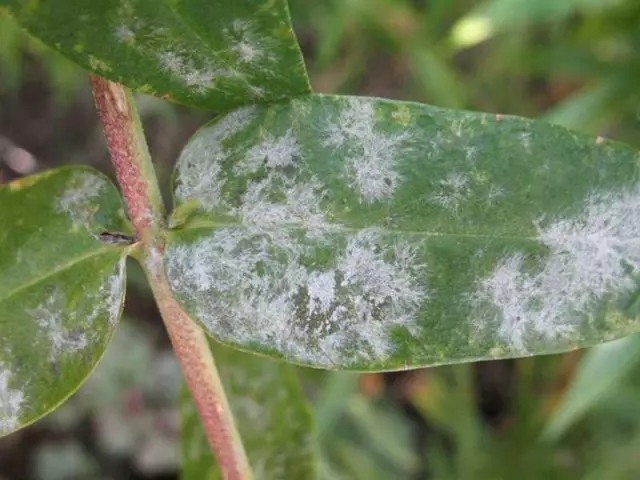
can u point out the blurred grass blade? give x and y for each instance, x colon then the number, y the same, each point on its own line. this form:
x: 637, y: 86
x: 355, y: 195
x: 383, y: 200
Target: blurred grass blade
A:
x: 332, y: 402
x: 599, y: 374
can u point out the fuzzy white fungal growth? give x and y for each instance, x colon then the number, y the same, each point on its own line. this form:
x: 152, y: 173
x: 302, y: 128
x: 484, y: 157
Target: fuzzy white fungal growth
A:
x: 10, y: 403
x: 258, y: 282
x: 113, y: 292
x: 370, y: 153
x: 453, y: 191
x: 590, y: 258
x: 247, y: 45
x: 49, y: 316
x: 272, y: 152
x: 198, y: 170
x: 251, y: 286
x: 301, y: 206
x: 125, y: 34
x: 247, y: 52
x: 182, y: 67
x: 77, y: 199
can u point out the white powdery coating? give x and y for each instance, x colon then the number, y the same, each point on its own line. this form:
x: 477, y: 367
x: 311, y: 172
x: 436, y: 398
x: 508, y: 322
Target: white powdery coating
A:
x: 10, y: 403
x: 49, y: 316
x: 272, y: 152
x: 199, y: 167
x: 452, y: 192
x: 182, y: 67
x: 590, y: 257
x: 370, y: 153
x: 247, y: 45
x: 252, y: 287
x: 76, y: 201
x: 301, y: 206
x: 112, y: 290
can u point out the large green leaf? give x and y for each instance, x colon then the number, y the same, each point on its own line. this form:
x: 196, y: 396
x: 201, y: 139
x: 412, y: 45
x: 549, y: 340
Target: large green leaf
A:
x: 62, y: 282
x: 357, y: 233
x: 271, y: 414
x: 215, y: 54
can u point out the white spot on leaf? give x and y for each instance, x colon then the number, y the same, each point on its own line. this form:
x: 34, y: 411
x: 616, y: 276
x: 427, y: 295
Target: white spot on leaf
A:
x: 591, y: 257
x: 184, y: 68
x: 10, y: 403
x: 272, y: 152
x: 453, y: 190
x: 52, y: 319
x: 77, y: 201
x: 199, y: 168
x: 370, y: 152
x: 252, y: 286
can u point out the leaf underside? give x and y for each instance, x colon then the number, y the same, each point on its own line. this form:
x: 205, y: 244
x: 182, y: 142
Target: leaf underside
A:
x: 213, y: 54
x: 271, y: 415
x: 367, y: 234
x: 61, y: 287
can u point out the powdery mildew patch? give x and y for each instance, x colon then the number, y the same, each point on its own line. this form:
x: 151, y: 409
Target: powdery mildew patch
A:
x: 591, y: 257
x: 371, y: 154
x: 452, y: 191
x: 198, y: 174
x: 272, y: 152
x: 258, y: 282
x: 69, y: 329
x: 253, y: 287
x: 52, y: 319
x: 180, y: 65
x: 109, y: 297
x: 241, y: 50
x: 11, y: 400
x: 248, y: 46
x: 77, y: 200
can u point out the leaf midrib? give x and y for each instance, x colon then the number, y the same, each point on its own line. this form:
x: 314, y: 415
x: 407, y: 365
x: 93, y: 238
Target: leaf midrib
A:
x: 208, y: 224
x: 56, y: 271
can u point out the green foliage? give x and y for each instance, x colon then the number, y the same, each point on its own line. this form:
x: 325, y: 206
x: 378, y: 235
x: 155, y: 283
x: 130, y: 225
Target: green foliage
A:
x: 214, y: 55
x: 61, y: 287
x: 63, y: 74
x: 375, y: 234
x: 271, y: 414
x: 344, y: 232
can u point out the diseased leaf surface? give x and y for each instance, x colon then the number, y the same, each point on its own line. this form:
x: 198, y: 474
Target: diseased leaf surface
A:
x: 347, y: 232
x: 61, y: 287
x: 214, y: 54
x: 271, y: 415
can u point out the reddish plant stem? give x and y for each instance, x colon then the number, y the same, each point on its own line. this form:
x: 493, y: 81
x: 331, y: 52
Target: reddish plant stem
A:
x: 138, y: 182
x: 192, y: 348
x: 129, y: 155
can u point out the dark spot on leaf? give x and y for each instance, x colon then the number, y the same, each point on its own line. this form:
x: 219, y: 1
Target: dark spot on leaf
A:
x: 388, y: 181
x: 115, y: 238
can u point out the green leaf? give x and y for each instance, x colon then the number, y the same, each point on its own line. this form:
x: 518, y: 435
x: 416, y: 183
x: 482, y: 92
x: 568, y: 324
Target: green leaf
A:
x: 368, y: 234
x: 599, y: 375
x: 214, y: 54
x: 62, y: 286
x: 271, y: 415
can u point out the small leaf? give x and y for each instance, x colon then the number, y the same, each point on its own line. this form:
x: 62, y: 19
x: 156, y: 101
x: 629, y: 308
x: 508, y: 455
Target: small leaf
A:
x: 271, y: 415
x: 61, y: 287
x: 214, y: 54
x: 366, y: 234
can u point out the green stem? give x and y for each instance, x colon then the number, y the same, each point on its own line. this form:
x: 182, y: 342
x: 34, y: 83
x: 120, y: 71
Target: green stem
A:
x: 136, y: 176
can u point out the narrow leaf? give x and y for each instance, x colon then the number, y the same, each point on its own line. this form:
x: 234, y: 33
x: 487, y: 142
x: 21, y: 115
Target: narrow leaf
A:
x: 271, y: 414
x: 599, y: 375
x: 368, y: 234
x: 62, y: 281
x: 215, y: 54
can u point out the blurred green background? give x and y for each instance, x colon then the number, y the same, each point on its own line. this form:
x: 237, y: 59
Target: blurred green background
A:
x: 574, y: 416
